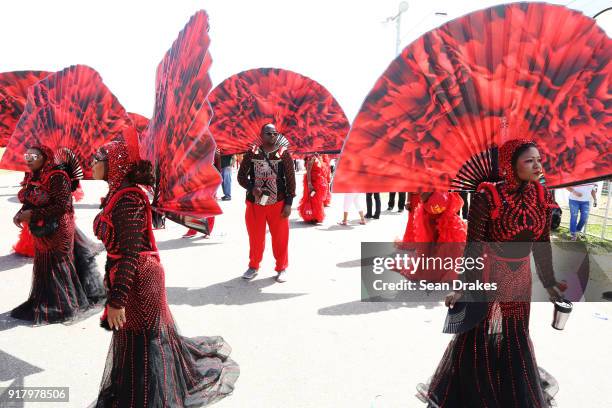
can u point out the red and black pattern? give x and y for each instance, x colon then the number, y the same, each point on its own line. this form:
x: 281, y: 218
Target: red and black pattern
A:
x: 473, y: 83
x: 60, y: 290
x: 71, y: 108
x: 177, y: 140
x: 299, y: 107
x: 139, y: 121
x: 149, y: 363
x: 493, y: 364
x: 13, y: 92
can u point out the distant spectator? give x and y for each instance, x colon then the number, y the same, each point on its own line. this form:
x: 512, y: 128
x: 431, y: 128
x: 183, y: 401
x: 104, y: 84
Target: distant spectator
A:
x: 579, y: 204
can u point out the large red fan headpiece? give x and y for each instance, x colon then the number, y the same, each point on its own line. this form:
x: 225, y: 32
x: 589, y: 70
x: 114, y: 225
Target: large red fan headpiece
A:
x: 177, y: 140
x: 13, y: 92
x: 435, y: 118
x: 140, y: 122
x: 300, y: 108
x: 70, y: 109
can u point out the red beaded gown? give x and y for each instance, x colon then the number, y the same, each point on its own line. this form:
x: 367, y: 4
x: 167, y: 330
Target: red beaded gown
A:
x: 60, y: 290
x: 311, y: 207
x: 493, y: 364
x: 149, y: 364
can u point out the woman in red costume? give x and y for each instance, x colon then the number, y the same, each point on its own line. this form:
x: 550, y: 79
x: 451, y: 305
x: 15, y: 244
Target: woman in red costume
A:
x: 414, y: 199
x: 149, y: 363
x: 433, y: 219
x: 316, y: 188
x: 328, y: 177
x: 490, y: 362
x: 436, y: 218
x: 61, y: 289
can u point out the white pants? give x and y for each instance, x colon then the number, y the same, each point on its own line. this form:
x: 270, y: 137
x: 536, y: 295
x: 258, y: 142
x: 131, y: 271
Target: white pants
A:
x: 353, y: 199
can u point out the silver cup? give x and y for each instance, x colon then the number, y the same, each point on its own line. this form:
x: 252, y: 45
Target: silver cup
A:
x: 264, y: 198
x: 563, y: 308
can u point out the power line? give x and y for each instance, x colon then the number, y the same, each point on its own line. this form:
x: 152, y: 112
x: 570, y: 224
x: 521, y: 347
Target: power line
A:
x: 427, y: 16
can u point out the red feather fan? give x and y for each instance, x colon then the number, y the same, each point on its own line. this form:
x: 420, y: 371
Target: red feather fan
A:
x: 434, y: 119
x: 139, y: 121
x: 13, y: 91
x: 70, y: 109
x: 177, y: 140
x: 300, y: 108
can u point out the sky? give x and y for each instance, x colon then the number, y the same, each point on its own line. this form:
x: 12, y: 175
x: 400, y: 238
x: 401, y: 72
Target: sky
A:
x: 343, y: 44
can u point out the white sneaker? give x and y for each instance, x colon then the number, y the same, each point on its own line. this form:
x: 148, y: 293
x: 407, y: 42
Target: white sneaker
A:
x: 250, y: 273
x: 282, y: 276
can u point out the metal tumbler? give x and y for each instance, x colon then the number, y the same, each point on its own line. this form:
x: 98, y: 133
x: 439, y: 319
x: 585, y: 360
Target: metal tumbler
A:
x: 563, y: 308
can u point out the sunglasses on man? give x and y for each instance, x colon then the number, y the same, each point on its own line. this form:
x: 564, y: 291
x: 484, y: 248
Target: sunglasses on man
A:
x: 31, y: 156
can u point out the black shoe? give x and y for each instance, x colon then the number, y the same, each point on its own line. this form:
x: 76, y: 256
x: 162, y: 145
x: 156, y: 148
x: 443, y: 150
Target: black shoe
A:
x: 226, y: 198
x: 368, y: 216
x: 390, y: 208
x: 376, y: 217
x: 400, y: 210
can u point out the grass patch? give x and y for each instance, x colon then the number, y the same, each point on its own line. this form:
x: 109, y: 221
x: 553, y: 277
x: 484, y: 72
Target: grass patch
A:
x: 595, y: 244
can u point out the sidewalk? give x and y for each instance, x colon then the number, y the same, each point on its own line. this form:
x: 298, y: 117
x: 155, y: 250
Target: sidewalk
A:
x: 306, y: 343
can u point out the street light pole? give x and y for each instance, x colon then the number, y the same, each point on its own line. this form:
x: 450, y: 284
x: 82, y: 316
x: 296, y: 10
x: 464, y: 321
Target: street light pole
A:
x: 403, y: 7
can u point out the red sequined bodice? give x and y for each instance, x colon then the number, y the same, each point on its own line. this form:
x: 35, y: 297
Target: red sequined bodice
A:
x: 499, y: 214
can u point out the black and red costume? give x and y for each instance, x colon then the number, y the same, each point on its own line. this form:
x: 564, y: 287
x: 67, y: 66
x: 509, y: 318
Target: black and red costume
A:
x: 274, y: 173
x: 149, y: 364
x: 493, y: 364
x: 60, y: 290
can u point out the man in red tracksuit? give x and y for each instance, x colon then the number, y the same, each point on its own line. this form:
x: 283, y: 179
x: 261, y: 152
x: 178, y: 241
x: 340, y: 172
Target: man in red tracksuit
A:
x: 268, y: 175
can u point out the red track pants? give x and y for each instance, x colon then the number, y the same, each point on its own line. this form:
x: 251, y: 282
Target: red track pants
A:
x: 256, y: 218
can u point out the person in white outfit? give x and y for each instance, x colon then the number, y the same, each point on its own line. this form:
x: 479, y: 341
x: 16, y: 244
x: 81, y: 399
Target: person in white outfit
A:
x: 353, y: 200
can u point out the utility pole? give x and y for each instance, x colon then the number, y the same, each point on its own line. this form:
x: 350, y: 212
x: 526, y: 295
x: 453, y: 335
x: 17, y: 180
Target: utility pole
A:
x: 402, y: 8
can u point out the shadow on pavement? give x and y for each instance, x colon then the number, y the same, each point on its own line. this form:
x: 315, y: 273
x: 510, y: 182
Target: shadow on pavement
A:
x: 358, y: 307
x: 337, y: 227
x: 12, y: 261
x: 297, y: 224
x: 356, y: 263
x: 236, y: 291
x: 7, y: 323
x: 15, y: 369
x: 179, y: 243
